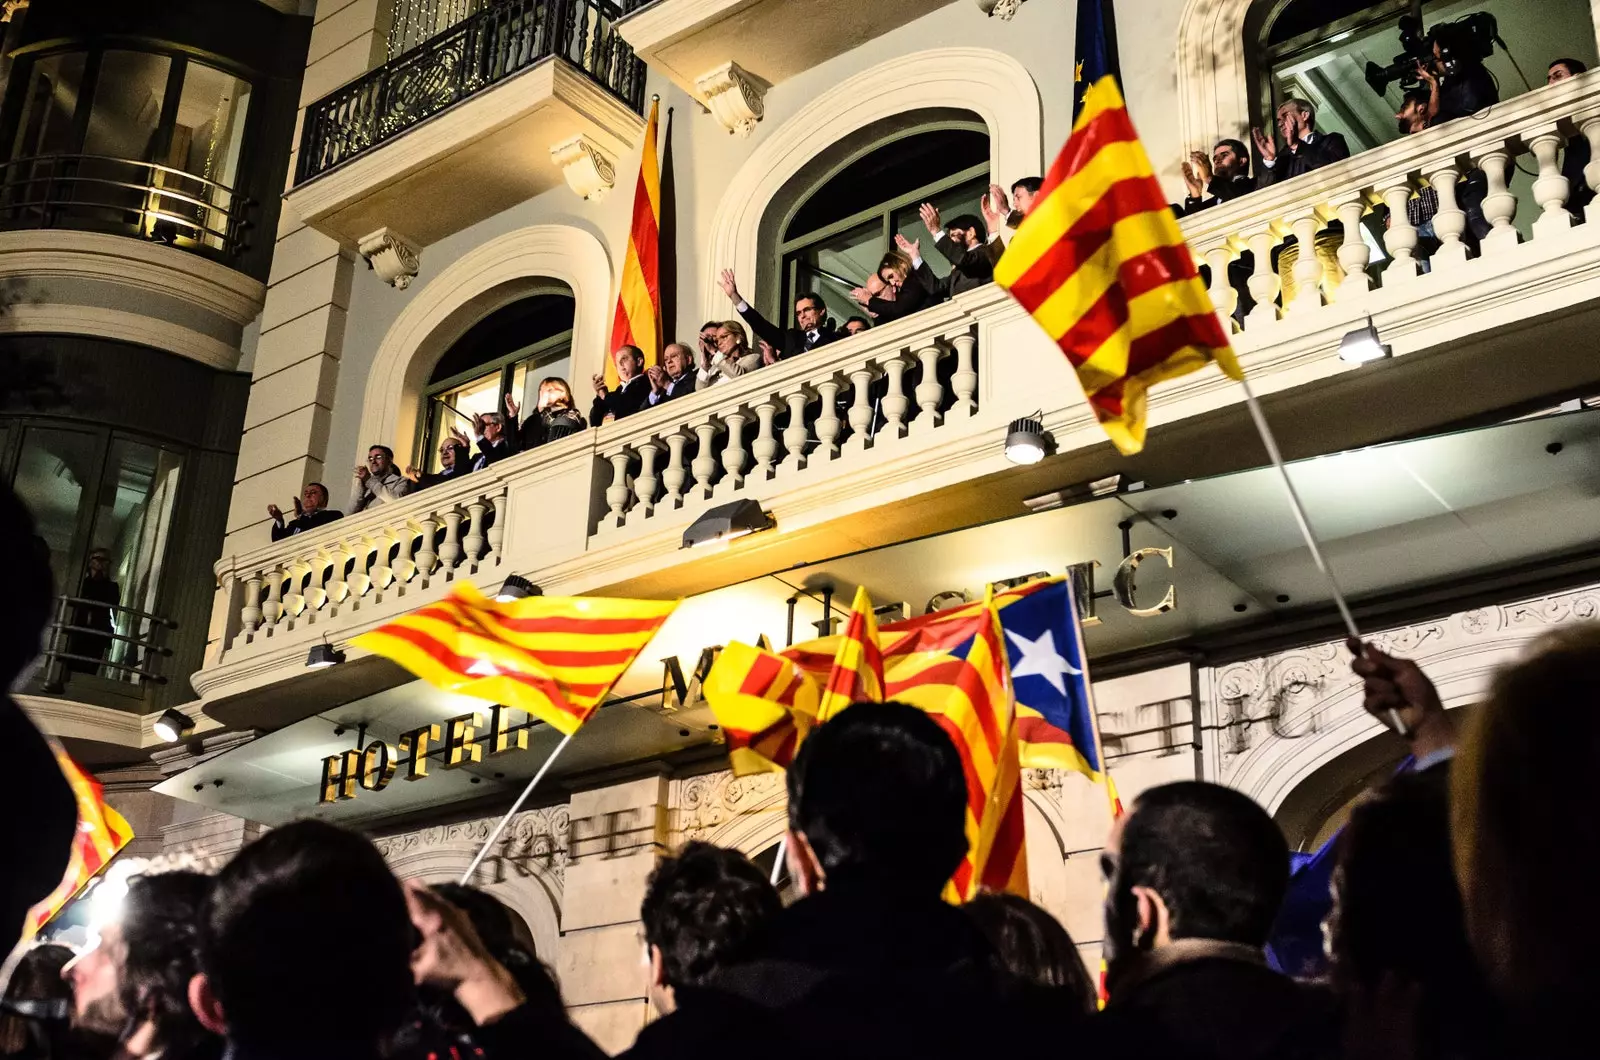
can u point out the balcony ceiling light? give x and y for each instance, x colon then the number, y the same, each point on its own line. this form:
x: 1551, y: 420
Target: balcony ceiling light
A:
x: 1364, y: 345
x: 516, y: 587
x: 1025, y: 441
x: 323, y: 656
x: 173, y: 725
x: 725, y: 522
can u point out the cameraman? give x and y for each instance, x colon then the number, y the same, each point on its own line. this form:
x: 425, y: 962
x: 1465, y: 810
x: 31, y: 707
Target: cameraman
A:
x: 1461, y: 83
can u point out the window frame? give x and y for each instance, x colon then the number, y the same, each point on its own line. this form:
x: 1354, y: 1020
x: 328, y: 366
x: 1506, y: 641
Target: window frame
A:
x: 1267, y: 57
x: 780, y: 304
x: 542, y: 351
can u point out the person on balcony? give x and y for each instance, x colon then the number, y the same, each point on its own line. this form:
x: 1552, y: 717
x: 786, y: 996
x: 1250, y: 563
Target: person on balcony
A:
x: 1304, y: 150
x: 1575, y: 159
x: 555, y: 414
x: 856, y: 325
x: 730, y: 356
x: 489, y: 433
x: 966, y: 245
x: 1221, y: 178
x: 92, y: 639
x: 628, y: 396
x: 1420, y: 112
x: 310, y: 511
x: 900, y: 298
x: 673, y: 376
x: 812, y: 326
x: 378, y: 481
x: 455, y: 460
x: 999, y: 213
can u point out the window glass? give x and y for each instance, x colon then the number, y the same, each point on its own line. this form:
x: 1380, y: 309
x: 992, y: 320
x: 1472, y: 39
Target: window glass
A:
x: 126, y: 113
x: 962, y: 200
x: 46, y: 126
x: 54, y: 471
x: 832, y: 267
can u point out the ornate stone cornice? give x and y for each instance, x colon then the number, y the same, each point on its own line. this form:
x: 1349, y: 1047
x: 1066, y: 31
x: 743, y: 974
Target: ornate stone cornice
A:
x: 536, y: 841
x: 735, y: 97
x: 392, y: 256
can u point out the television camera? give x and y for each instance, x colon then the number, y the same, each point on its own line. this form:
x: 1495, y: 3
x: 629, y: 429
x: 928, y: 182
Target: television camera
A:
x: 1463, y: 45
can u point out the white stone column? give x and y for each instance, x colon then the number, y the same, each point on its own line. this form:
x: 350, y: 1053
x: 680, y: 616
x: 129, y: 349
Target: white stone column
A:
x: 1500, y: 205
x: 1354, y: 254
x: 1401, y: 238
x: 1450, y: 223
x: 1552, y: 189
x: 1264, y: 284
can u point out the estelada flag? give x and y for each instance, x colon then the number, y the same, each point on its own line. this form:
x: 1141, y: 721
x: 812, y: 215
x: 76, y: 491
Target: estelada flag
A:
x: 102, y: 832
x: 1102, y: 266
x: 638, y: 317
x: 553, y: 657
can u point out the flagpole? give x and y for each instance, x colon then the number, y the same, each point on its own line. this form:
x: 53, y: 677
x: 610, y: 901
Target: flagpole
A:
x: 1306, y: 532
x: 466, y: 877
x: 777, y: 862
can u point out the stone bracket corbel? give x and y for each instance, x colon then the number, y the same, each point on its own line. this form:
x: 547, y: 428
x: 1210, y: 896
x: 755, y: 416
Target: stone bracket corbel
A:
x: 589, y: 171
x: 1004, y: 10
x: 392, y: 256
x: 735, y: 97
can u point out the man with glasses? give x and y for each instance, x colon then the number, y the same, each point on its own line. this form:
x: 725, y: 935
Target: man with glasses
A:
x: 378, y: 481
x: 812, y: 326
x: 310, y: 511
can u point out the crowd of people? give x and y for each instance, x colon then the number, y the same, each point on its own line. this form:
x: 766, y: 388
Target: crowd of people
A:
x: 1441, y: 95
x: 903, y: 284
x: 1457, y: 927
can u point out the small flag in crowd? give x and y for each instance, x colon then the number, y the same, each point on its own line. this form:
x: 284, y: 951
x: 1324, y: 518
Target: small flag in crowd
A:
x: 102, y: 832
x: 857, y: 673
x: 1055, y: 715
x: 1102, y: 266
x: 550, y: 656
x: 638, y: 317
x: 765, y: 705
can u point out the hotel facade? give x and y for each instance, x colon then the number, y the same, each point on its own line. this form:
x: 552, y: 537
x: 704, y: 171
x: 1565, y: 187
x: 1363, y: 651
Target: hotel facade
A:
x: 242, y: 242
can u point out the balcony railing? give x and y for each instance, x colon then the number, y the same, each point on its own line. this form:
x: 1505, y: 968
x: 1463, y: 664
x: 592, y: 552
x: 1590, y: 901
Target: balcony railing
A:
x: 143, y: 200
x: 1489, y: 152
x: 108, y: 642
x: 472, y: 55
x: 787, y: 422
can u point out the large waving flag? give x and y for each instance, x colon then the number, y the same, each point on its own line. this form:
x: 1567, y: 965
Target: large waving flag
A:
x: 1101, y: 265
x: 638, y: 318
x: 102, y: 832
x: 765, y: 705
x: 857, y: 672
x: 550, y: 656
x: 1055, y: 712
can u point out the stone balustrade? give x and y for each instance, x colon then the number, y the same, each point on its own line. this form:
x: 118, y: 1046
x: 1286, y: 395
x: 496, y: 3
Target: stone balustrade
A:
x: 1532, y: 130
x: 789, y: 421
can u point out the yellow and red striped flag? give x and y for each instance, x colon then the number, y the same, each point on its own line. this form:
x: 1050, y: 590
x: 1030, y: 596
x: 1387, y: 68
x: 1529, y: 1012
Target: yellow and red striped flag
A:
x: 638, y: 317
x: 857, y: 672
x: 765, y: 705
x: 1102, y: 266
x: 102, y: 832
x: 553, y: 657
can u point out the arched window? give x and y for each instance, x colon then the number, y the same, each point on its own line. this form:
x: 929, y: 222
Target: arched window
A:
x: 865, y: 193
x: 1325, y: 50
x: 505, y: 353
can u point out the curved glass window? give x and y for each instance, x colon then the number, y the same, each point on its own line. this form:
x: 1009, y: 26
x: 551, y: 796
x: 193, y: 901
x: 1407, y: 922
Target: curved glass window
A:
x: 840, y: 230
x: 505, y: 354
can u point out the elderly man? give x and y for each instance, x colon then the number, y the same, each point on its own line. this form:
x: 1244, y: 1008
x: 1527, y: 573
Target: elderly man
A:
x: 310, y: 511
x: 674, y: 376
x: 632, y: 388
x: 1305, y: 150
x: 378, y: 481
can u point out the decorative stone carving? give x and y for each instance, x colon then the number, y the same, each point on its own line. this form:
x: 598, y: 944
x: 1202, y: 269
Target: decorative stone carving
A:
x: 1004, y: 10
x: 536, y: 840
x: 589, y: 171
x: 392, y: 256
x: 735, y: 97
x: 708, y: 806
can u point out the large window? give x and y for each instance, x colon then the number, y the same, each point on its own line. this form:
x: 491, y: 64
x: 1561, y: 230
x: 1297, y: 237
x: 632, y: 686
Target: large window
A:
x: 1321, y: 50
x: 839, y: 231
x: 506, y: 353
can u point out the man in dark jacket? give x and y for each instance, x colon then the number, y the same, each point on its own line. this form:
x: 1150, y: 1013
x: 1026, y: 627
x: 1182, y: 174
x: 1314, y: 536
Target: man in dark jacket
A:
x: 310, y: 511
x: 966, y: 245
x: 1304, y: 148
x: 1195, y: 875
x: 871, y: 963
x: 1221, y: 178
x: 674, y: 376
x: 812, y: 326
x: 630, y: 393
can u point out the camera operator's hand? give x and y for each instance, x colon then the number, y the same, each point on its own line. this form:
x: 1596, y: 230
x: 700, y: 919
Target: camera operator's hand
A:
x: 1426, y: 75
x: 1264, y: 145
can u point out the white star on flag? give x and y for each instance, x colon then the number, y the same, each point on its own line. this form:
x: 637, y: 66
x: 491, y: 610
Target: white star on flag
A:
x: 1040, y: 659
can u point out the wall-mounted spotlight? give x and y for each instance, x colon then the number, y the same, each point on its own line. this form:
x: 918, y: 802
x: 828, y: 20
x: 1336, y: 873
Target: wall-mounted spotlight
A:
x: 1364, y: 345
x: 1025, y: 441
x: 516, y: 587
x: 173, y: 725
x: 726, y: 522
x: 323, y: 656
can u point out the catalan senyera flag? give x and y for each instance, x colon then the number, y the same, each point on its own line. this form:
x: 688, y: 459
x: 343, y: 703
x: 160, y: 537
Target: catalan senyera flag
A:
x: 638, y: 317
x: 553, y: 657
x: 765, y: 705
x: 102, y: 832
x: 857, y: 672
x: 1102, y: 266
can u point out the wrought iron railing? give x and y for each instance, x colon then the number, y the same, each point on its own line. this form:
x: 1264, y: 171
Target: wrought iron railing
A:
x: 470, y: 56
x: 104, y: 640
x: 141, y: 199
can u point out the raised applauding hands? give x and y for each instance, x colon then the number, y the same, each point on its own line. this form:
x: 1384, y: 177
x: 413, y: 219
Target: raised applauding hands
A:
x: 513, y: 410
x: 460, y: 436
x: 930, y: 218
x: 362, y: 474
x: 911, y: 248
x: 1197, y: 173
x: 768, y: 354
x: 1264, y: 145
x: 412, y: 474
x: 996, y: 208
x: 658, y: 378
x: 599, y: 385
x: 276, y: 513
x: 729, y: 285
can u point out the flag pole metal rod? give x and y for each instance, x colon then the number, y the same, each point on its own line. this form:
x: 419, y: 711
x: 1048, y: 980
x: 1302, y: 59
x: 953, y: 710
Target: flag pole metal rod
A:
x: 777, y: 862
x: 1271, y: 442
x: 466, y: 877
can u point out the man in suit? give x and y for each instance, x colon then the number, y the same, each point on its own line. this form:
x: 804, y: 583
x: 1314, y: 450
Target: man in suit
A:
x: 630, y: 393
x: 310, y: 511
x: 1221, y: 178
x: 1304, y: 148
x: 965, y: 243
x: 812, y: 326
x: 674, y: 376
